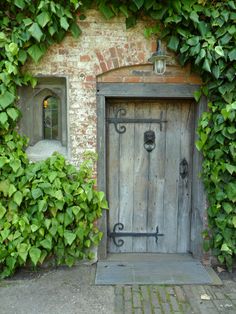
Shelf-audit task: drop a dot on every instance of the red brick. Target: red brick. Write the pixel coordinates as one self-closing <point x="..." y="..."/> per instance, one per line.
<point x="103" y="66"/>
<point x="134" y="79"/>
<point x="85" y="58"/>
<point x="90" y="78"/>
<point x="113" y="52"/>
<point x="99" y="56"/>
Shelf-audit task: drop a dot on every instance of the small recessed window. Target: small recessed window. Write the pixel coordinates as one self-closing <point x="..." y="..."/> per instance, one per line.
<point x="44" y="117"/>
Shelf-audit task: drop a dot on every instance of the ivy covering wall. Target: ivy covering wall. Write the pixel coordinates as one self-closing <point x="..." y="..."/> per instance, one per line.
<point x="202" y="33"/>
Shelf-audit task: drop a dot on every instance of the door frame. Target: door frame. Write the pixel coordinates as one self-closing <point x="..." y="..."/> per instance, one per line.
<point x="153" y="91"/>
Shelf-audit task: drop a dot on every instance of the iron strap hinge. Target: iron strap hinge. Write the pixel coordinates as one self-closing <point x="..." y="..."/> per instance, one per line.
<point x="114" y="234"/>
<point x="119" y="118"/>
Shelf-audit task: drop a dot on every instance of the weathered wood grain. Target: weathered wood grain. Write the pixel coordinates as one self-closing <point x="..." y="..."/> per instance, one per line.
<point x="140" y="180"/>
<point x="145" y="188"/>
<point x="142" y="90"/>
<point x="157" y="178"/>
<point x="185" y="184"/>
<point x="127" y="177"/>
<point x="113" y="186"/>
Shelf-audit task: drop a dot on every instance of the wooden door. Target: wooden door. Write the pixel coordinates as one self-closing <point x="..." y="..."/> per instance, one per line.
<point x="149" y="190"/>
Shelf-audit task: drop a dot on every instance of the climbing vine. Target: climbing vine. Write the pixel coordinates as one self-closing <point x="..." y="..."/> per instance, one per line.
<point x="201" y="32"/>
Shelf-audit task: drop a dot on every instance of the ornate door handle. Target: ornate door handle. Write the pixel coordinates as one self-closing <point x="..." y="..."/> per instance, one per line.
<point x="183" y="168"/>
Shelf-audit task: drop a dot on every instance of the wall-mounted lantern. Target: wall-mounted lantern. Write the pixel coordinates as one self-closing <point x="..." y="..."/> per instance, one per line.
<point x="159" y="60"/>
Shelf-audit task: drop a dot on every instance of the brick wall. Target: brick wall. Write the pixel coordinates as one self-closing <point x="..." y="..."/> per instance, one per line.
<point x="105" y="52"/>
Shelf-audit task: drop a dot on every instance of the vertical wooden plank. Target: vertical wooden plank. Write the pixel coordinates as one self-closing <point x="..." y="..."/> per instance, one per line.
<point x="113" y="179"/>
<point x="101" y="168"/>
<point x="126" y="184"/>
<point x="185" y="184"/>
<point x="157" y="178"/>
<point x="140" y="179"/>
<point x="199" y="199"/>
<point x="171" y="177"/>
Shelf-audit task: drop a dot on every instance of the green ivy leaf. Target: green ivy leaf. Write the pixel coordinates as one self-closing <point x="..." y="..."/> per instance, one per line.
<point x="230" y="168"/>
<point x="219" y="50"/>
<point x="35" y="31"/>
<point x="87" y="243"/>
<point x="59" y="195"/>
<point x="34" y="227"/>
<point x="13" y="48"/>
<point x="227" y="207"/>
<point x="2" y="211"/>
<point x="206" y="65"/>
<point x="149" y="3"/>
<point x="70" y="260"/>
<point x="131" y="22"/>
<point x="20" y="4"/>
<point x="69" y="237"/>
<point x="124" y="10"/>
<point x="6" y="99"/>
<point x="11" y="261"/>
<point x="4" y="185"/>
<point x="68" y="219"/>
<point x="194" y="17"/>
<point x="15" y="165"/>
<point x="34" y="254"/>
<point x="234" y="221"/>
<point x="193" y="41"/>
<point x="3" y="118"/>
<point x="197" y="95"/>
<point x="225" y="248"/>
<point x="22" y="250"/>
<point x="47" y="243"/>
<point x="5" y="233"/>
<point x="22" y="56"/>
<point x="64" y="24"/>
<point x="35" y="53"/>
<point x="36" y="193"/>
<point x="138" y="3"/>
<point x="75" y="30"/>
<point x="106" y="11"/>
<point x="232" y="55"/>
<point x="43" y="19"/>
<point x="18" y="197"/>
<point x="231" y="191"/>
<point x="216" y="71"/>
<point x="11" y="190"/>
<point x="173" y="43"/>
<point x="42" y="205"/>
<point x="47" y="223"/>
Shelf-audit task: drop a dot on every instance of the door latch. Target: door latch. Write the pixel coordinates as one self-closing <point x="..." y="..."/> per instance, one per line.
<point x="183" y="168"/>
<point x="149" y="140"/>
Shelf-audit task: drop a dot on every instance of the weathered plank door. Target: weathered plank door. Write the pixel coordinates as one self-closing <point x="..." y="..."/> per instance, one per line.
<point x="149" y="186"/>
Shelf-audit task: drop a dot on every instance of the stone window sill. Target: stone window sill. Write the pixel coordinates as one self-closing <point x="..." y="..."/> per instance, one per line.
<point x="44" y="149"/>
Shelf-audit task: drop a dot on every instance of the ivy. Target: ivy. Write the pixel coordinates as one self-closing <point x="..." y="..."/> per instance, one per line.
<point x="50" y="211"/>
<point x="202" y="33"/>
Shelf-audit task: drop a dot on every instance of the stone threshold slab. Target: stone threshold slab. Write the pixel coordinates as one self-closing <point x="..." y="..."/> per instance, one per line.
<point x="163" y="269"/>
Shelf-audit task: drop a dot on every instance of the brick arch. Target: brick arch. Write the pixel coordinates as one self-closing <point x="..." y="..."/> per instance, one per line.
<point x="129" y="64"/>
<point x="126" y="54"/>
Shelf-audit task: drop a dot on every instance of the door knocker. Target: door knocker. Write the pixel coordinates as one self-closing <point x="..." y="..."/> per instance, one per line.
<point x="149" y="140"/>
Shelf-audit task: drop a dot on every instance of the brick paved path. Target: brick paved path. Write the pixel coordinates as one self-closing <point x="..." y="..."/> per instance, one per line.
<point x="188" y="299"/>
